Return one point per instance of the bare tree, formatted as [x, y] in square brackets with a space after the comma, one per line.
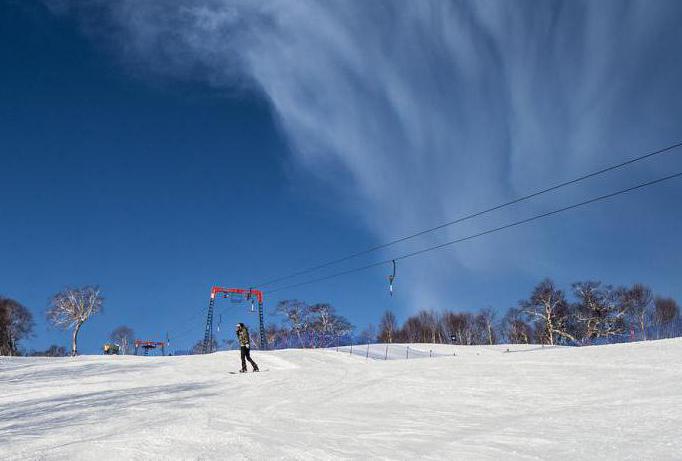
[123, 336]
[316, 325]
[514, 327]
[198, 347]
[322, 316]
[73, 307]
[547, 306]
[387, 327]
[600, 309]
[52, 351]
[297, 314]
[639, 300]
[486, 324]
[16, 323]
[666, 311]
[341, 326]
[412, 329]
[272, 335]
[431, 326]
[369, 334]
[459, 327]
[325, 325]
[424, 327]
[321, 324]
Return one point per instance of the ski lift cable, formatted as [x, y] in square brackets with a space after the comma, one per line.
[220, 309]
[182, 333]
[473, 215]
[179, 334]
[483, 233]
[175, 334]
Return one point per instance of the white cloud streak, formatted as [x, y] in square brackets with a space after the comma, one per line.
[425, 110]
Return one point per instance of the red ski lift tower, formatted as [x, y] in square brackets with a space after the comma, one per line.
[236, 295]
[148, 345]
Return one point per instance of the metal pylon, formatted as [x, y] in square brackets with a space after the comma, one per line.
[208, 333]
[263, 343]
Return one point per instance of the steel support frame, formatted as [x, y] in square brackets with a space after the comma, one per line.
[146, 345]
[250, 293]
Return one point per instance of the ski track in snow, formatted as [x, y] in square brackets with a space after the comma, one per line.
[607, 402]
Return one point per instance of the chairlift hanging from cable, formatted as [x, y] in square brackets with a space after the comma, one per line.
[391, 278]
[250, 297]
[236, 298]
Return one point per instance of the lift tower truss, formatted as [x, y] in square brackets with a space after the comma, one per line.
[251, 294]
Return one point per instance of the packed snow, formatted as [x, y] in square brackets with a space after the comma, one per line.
[476, 402]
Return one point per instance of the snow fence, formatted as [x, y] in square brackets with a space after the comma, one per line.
[388, 352]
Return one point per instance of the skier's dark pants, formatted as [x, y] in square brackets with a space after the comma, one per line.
[246, 355]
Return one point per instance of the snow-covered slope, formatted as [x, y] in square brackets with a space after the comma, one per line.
[620, 401]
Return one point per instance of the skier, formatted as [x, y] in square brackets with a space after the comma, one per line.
[245, 343]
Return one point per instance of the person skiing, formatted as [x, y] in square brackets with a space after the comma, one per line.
[245, 343]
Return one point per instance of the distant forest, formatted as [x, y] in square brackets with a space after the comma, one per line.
[589, 313]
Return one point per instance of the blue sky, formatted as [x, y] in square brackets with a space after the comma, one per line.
[158, 150]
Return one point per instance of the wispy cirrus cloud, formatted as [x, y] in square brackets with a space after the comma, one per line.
[426, 110]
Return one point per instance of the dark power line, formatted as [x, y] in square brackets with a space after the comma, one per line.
[481, 234]
[175, 335]
[471, 216]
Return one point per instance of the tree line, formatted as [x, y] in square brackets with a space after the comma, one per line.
[307, 325]
[592, 313]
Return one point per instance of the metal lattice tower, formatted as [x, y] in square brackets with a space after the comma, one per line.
[208, 333]
[263, 343]
[251, 294]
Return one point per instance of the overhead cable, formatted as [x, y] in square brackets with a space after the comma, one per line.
[471, 216]
[480, 234]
